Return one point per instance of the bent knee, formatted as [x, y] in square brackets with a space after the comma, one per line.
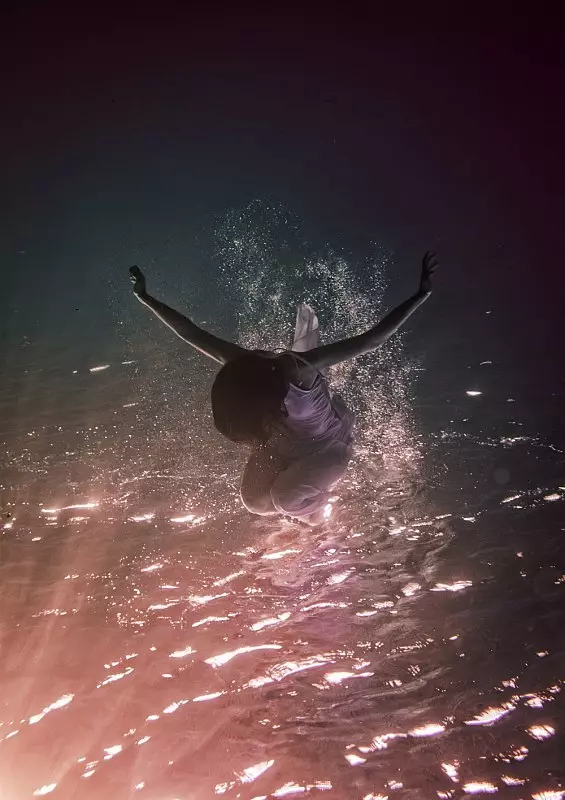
[258, 504]
[298, 501]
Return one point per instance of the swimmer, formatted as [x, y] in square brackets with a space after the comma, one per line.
[280, 405]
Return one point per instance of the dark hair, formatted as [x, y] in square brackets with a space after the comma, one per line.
[247, 397]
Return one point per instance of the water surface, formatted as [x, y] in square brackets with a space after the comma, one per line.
[160, 642]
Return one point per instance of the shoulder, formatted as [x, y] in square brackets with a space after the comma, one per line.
[297, 371]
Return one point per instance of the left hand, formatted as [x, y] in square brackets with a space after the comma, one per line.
[137, 279]
[429, 266]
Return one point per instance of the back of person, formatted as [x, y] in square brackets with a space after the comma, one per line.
[315, 421]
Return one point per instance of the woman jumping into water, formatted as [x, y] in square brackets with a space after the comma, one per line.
[300, 434]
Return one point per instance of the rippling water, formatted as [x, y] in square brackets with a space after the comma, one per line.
[158, 641]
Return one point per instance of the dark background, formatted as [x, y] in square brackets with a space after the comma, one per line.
[127, 136]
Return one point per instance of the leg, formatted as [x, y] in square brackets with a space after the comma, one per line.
[304, 487]
[259, 475]
[307, 329]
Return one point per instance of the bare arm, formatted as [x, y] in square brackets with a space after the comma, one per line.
[330, 354]
[212, 346]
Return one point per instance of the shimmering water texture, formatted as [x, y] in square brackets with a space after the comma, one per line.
[158, 641]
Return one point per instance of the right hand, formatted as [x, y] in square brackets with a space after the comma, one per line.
[137, 279]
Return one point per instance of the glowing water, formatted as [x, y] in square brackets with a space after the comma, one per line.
[159, 642]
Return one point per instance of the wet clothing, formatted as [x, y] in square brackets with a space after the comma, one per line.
[315, 420]
[296, 488]
[308, 450]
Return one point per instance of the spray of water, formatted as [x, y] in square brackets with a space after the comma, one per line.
[268, 267]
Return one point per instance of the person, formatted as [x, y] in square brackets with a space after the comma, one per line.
[279, 404]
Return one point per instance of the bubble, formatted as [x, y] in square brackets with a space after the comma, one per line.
[501, 476]
[268, 267]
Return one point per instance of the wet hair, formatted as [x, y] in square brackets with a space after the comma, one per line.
[248, 397]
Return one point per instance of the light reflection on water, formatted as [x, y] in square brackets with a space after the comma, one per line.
[159, 642]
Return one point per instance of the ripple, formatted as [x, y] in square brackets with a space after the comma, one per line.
[410, 646]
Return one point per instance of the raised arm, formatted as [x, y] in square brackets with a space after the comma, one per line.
[212, 346]
[329, 354]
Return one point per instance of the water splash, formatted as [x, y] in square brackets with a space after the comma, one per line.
[267, 268]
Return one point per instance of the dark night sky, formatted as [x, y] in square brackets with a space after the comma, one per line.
[123, 138]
